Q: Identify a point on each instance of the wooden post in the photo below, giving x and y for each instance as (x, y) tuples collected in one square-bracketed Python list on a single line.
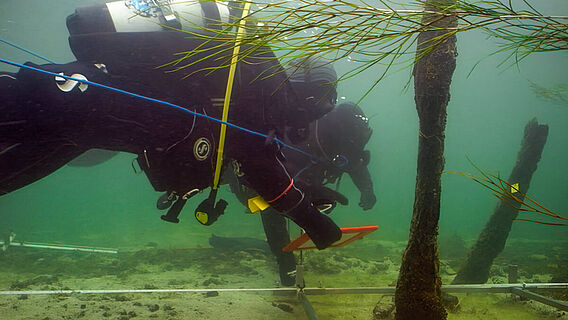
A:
[(418, 291), (492, 239)]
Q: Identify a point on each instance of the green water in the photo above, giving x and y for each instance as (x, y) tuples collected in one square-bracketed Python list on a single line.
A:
[(109, 205)]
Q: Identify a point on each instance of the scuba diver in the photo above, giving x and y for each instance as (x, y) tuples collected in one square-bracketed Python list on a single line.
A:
[(48, 117), (342, 135)]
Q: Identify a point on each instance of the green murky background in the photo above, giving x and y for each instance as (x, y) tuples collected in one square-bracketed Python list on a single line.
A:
[(109, 205)]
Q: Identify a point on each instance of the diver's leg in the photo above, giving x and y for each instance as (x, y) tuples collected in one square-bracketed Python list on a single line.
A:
[(266, 174), (11, 119), (277, 236), (23, 163), (34, 142)]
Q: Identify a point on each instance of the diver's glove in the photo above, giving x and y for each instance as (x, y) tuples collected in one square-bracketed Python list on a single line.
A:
[(368, 200), (298, 207)]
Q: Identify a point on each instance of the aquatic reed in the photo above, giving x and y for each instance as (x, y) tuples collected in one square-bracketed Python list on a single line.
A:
[(379, 34), (512, 196)]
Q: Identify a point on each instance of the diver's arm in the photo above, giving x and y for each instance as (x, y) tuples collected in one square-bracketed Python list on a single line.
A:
[(362, 179), (268, 176)]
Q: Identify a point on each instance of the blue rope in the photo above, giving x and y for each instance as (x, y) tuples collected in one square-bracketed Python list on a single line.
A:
[(303, 169), (26, 50), (280, 142)]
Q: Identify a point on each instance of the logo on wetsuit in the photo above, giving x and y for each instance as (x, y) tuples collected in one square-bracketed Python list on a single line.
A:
[(201, 149)]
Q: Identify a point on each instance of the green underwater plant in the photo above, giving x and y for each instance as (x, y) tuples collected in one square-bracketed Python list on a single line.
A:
[(512, 196), (557, 94), (381, 33)]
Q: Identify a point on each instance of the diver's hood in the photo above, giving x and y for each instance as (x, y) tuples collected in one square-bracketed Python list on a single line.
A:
[(312, 70), (146, 16), (313, 81), (345, 131)]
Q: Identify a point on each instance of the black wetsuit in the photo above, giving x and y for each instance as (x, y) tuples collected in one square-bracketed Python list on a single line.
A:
[(42, 128), (340, 137), (343, 132)]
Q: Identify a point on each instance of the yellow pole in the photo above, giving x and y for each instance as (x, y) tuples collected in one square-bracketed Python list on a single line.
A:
[(228, 91)]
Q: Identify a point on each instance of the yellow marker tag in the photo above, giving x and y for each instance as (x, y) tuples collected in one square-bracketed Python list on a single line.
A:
[(201, 217), (515, 188), (257, 204)]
